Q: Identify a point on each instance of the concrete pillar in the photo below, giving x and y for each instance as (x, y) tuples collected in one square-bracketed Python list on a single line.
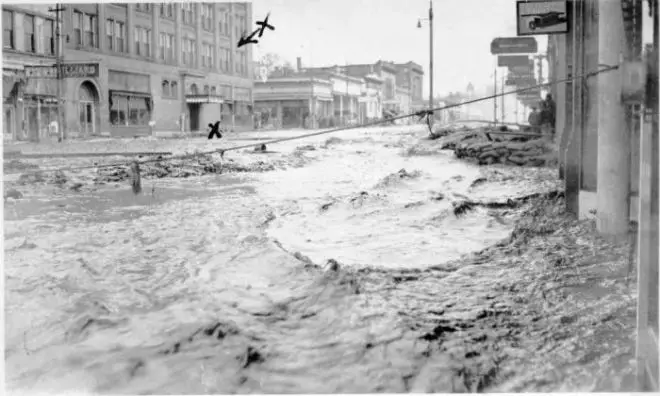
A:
[(613, 139), (130, 28), (103, 42)]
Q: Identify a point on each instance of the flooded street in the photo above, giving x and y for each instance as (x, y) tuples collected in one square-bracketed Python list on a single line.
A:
[(337, 271)]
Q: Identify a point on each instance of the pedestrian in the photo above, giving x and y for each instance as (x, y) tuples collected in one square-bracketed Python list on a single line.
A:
[(534, 118), (215, 130), (548, 115)]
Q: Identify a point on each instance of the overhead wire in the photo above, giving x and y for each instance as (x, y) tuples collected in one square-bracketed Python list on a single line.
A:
[(423, 113)]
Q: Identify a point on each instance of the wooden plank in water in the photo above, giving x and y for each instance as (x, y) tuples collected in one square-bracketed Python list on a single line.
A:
[(81, 155)]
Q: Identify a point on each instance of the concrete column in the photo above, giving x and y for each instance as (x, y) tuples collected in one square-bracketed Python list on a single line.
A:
[(178, 45), (215, 16), (197, 8), (613, 138), (130, 28), (103, 44), (155, 31)]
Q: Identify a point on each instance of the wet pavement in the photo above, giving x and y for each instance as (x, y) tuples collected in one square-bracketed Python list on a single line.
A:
[(342, 267)]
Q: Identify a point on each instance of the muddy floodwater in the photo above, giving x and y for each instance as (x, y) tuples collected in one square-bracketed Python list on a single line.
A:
[(337, 275)]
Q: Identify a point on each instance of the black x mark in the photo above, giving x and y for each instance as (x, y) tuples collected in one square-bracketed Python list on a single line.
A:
[(263, 25)]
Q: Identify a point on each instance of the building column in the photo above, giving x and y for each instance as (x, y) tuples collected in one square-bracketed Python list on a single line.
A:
[(155, 31), (613, 189), (197, 7), (102, 33), (130, 28)]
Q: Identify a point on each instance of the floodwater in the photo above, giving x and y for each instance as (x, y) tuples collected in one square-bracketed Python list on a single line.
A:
[(204, 285)]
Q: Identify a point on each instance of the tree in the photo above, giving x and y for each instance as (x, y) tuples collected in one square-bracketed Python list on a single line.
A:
[(274, 65)]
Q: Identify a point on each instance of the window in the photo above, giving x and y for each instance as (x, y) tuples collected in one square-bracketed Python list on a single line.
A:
[(49, 37), (144, 7), (142, 41), (240, 25), (189, 52), (7, 29), (213, 91), (207, 16), (129, 110), (28, 31), (223, 59), (206, 90), (188, 13), (120, 4), (91, 27), (167, 10), (174, 89), (207, 55), (77, 26), (166, 89), (161, 46), (120, 34), (110, 34)]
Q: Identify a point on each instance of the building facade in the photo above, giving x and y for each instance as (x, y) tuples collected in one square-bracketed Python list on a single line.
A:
[(29, 104), (153, 66)]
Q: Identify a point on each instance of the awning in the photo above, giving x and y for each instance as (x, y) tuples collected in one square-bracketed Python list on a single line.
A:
[(204, 99), (10, 77)]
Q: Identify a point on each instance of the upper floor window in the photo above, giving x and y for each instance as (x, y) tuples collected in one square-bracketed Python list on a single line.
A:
[(28, 31), (223, 22), (207, 16), (142, 41), (207, 55), (87, 24), (166, 47), (167, 10), (144, 7), (188, 13), (49, 37), (7, 29)]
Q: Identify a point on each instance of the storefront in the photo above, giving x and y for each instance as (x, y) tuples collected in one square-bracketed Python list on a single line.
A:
[(12, 107), (243, 111), (130, 104), (40, 107)]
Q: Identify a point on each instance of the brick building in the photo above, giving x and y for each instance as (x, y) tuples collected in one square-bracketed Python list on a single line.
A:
[(172, 65)]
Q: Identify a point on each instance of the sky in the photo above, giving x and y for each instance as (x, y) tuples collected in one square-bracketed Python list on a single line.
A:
[(330, 32)]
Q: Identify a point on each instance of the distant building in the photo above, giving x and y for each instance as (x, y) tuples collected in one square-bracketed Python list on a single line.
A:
[(175, 64)]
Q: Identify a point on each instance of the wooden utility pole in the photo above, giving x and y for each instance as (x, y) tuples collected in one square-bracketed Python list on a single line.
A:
[(572, 160), (495, 93), (613, 210)]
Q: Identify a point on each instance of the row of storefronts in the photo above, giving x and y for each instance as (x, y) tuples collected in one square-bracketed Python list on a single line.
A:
[(131, 104)]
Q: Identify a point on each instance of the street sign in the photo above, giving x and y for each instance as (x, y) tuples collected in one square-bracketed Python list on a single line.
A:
[(514, 45), (512, 60), (69, 70), (521, 82), (541, 17)]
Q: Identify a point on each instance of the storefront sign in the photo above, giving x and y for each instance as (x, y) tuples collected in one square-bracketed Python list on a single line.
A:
[(513, 60), (123, 81), (513, 45), (80, 70), (69, 70), (541, 17)]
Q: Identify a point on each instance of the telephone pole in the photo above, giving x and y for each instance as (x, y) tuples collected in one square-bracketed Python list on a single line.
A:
[(58, 67), (613, 140)]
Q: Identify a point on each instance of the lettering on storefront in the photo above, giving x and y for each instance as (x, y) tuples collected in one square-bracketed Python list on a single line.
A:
[(69, 70)]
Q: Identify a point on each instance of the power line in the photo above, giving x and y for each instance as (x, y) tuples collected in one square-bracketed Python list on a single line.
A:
[(340, 129)]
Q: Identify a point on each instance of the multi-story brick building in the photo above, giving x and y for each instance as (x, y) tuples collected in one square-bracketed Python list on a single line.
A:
[(29, 105), (159, 66)]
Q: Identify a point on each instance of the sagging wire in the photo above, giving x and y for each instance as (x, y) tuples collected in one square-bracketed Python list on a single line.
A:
[(428, 113)]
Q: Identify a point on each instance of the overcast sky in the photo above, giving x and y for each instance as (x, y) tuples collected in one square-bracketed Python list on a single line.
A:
[(328, 32)]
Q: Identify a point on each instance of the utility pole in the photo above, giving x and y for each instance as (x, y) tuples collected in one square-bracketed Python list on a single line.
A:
[(432, 116), (613, 140), (58, 67), (502, 90), (495, 93)]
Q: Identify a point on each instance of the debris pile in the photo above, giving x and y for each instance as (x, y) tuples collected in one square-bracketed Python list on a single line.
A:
[(531, 153)]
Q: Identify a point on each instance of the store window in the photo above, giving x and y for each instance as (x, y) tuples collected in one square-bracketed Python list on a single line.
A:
[(129, 110), (49, 37), (174, 89), (166, 89)]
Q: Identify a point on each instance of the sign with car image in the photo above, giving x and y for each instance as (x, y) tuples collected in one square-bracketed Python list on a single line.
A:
[(541, 17)]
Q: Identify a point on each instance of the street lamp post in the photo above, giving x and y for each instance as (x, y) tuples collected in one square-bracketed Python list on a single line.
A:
[(419, 25), (58, 67)]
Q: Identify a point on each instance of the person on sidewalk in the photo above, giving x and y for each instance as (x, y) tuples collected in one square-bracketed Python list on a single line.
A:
[(534, 119), (548, 116)]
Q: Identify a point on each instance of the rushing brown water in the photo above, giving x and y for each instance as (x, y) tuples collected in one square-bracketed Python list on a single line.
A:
[(219, 284)]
